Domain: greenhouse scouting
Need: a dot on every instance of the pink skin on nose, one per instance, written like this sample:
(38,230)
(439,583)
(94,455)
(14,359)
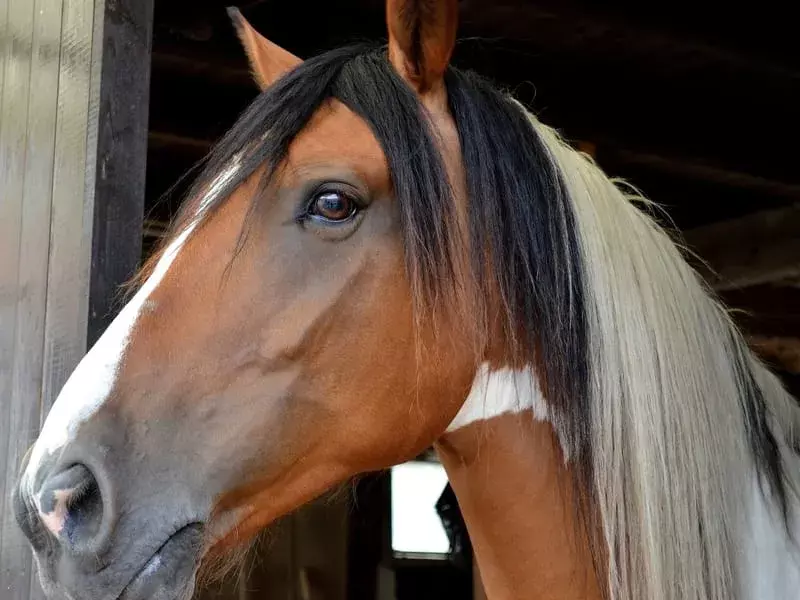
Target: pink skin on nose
(55,519)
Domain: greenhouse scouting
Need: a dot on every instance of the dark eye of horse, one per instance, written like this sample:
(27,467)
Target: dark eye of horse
(333,205)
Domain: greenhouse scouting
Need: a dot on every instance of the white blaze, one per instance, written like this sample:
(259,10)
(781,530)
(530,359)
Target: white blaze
(91,382)
(94,377)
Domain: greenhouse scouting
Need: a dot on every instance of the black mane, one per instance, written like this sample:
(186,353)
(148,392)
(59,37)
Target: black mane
(523,244)
(520,216)
(521,221)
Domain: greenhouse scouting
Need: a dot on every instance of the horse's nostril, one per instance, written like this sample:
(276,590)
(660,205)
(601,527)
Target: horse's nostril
(70,506)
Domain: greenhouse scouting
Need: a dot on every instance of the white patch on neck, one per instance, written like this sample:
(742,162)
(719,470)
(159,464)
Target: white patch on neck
(505,391)
(495,393)
(93,379)
(770,564)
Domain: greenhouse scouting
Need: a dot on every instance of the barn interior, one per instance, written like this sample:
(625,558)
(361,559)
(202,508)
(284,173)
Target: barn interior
(695,107)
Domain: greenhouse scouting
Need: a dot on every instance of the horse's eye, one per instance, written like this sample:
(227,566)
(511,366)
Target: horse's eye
(333,206)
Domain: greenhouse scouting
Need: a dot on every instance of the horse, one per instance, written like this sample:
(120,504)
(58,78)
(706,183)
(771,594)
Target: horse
(386,253)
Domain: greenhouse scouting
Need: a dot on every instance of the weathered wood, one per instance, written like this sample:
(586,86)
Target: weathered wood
(760,248)
(17,29)
(121,156)
(171,141)
(73,194)
(302,557)
(50,59)
(321,549)
(271,572)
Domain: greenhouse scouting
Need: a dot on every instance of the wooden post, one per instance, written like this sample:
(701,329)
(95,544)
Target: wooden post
(121,157)
(51,53)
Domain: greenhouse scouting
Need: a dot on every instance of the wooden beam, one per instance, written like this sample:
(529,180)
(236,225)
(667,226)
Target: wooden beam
(570,27)
(700,169)
(163,139)
(781,351)
(121,156)
(177,60)
(760,248)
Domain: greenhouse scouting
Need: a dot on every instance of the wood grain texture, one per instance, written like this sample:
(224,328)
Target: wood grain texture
(121,157)
(48,92)
(17,45)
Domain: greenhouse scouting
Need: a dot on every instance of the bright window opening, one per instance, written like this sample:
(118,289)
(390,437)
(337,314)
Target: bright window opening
(416,526)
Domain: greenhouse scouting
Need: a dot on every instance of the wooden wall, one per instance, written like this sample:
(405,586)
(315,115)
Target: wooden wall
(49,66)
(302,557)
(74,92)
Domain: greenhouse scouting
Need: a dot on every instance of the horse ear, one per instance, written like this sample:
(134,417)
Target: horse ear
(422,34)
(267,60)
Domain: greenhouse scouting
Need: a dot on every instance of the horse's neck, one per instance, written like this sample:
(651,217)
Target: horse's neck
(514,492)
(507,468)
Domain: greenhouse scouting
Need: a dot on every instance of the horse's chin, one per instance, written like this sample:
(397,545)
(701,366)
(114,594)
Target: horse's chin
(169,574)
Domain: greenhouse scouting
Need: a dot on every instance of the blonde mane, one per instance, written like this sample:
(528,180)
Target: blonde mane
(673,461)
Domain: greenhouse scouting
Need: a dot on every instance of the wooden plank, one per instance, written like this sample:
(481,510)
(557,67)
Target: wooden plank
(34,233)
(5,40)
(172,141)
(301,557)
(752,250)
(271,566)
(701,170)
(48,88)
(14,97)
(73,195)
(121,156)
(268,570)
(321,549)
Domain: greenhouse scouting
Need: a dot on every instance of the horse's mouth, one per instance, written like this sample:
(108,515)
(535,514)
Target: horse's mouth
(169,574)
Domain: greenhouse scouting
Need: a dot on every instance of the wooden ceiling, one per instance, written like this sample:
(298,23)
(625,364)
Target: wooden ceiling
(696,107)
